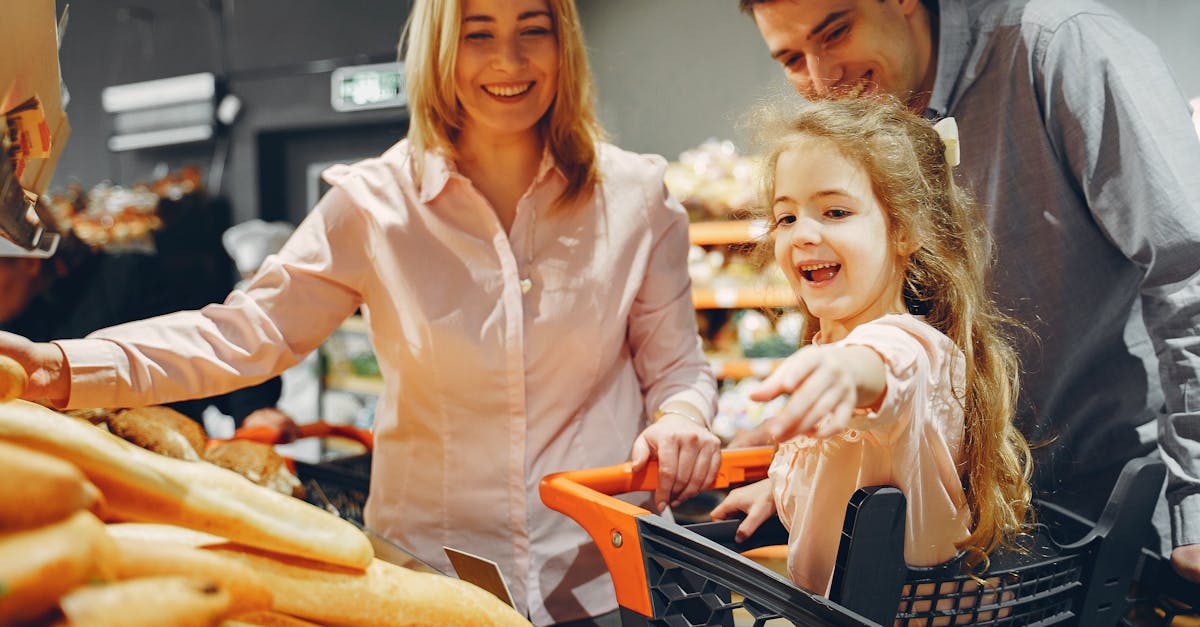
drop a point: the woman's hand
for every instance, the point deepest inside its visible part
(826, 384)
(756, 500)
(688, 455)
(46, 365)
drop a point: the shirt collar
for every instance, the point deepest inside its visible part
(954, 40)
(439, 169)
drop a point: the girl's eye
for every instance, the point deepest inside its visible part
(784, 220)
(837, 213)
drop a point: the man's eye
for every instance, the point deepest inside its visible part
(794, 62)
(837, 34)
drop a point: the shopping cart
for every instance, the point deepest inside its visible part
(340, 484)
(672, 575)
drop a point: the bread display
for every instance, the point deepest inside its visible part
(331, 595)
(233, 554)
(257, 462)
(162, 430)
(144, 486)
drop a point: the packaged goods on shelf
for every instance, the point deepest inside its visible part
(713, 181)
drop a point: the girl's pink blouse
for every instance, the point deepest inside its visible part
(913, 442)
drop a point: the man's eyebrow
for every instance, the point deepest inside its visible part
(829, 19)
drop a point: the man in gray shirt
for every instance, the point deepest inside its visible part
(1078, 144)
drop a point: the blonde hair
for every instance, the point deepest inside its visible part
(429, 48)
(945, 279)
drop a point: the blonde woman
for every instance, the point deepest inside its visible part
(906, 377)
(526, 289)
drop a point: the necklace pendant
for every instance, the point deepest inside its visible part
(526, 285)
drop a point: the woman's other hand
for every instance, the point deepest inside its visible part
(688, 455)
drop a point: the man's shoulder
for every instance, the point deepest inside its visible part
(1038, 15)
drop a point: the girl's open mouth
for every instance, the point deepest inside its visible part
(819, 272)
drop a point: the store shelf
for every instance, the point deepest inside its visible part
(727, 232)
(352, 383)
(741, 368)
(767, 296)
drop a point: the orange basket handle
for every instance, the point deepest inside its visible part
(271, 435)
(586, 496)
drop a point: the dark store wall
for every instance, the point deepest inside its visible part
(278, 55)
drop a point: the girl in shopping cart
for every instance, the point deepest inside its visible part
(906, 377)
(526, 290)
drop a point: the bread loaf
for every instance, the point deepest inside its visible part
(148, 602)
(266, 619)
(143, 486)
(162, 430)
(38, 489)
(329, 595)
(142, 558)
(12, 378)
(38, 565)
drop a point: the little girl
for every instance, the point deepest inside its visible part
(905, 378)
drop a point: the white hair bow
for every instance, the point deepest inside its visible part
(947, 129)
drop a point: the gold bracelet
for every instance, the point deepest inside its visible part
(658, 415)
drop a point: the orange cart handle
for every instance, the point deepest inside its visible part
(585, 496)
(271, 435)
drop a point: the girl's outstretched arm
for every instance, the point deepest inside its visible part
(826, 384)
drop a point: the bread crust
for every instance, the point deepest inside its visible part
(39, 565)
(38, 489)
(142, 486)
(162, 430)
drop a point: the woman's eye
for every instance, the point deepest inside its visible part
(536, 32)
(479, 36)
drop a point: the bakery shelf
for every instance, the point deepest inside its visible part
(766, 296)
(727, 232)
(742, 367)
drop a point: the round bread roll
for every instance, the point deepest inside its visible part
(12, 379)
(257, 462)
(162, 430)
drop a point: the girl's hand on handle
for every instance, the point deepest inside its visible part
(45, 364)
(826, 384)
(755, 500)
(688, 454)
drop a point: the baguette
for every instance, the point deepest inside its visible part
(329, 595)
(142, 558)
(385, 594)
(38, 565)
(143, 486)
(13, 378)
(147, 602)
(267, 619)
(39, 489)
